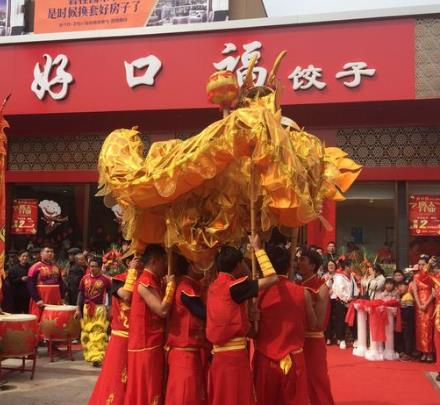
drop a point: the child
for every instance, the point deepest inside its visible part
(390, 292)
(408, 321)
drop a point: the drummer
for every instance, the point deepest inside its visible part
(90, 307)
(44, 283)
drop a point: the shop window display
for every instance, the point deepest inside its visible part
(366, 223)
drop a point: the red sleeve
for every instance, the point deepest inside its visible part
(146, 279)
(108, 283)
(81, 284)
(426, 278)
(187, 289)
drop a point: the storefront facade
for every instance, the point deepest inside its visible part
(369, 87)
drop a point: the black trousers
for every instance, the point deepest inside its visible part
(330, 332)
(340, 311)
(408, 329)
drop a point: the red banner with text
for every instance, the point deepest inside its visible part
(24, 217)
(327, 63)
(424, 215)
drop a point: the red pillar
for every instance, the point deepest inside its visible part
(316, 233)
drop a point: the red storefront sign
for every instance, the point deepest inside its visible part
(329, 63)
(424, 215)
(24, 217)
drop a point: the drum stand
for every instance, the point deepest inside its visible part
(23, 368)
(51, 350)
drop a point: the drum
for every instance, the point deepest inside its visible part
(18, 335)
(58, 323)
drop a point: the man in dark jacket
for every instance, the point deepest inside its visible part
(76, 273)
(17, 277)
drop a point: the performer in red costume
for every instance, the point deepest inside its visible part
(147, 324)
(433, 281)
(230, 380)
(315, 350)
(186, 339)
(112, 382)
(280, 372)
(44, 283)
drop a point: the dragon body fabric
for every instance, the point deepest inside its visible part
(195, 193)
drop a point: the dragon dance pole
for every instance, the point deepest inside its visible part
(169, 250)
(293, 247)
(253, 233)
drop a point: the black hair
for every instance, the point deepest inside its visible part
(390, 280)
(404, 282)
(332, 241)
(153, 251)
(330, 261)
(314, 258)
(46, 246)
(345, 263)
(424, 258)
(398, 271)
(21, 251)
(227, 258)
(181, 265)
(96, 259)
(280, 259)
(378, 269)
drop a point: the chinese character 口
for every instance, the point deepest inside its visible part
(151, 62)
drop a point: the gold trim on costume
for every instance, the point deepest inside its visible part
(314, 334)
(286, 362)
(48, 285)
(239, 343)
(121, 333)
(144, 349)
(183, 349)
(124, 375)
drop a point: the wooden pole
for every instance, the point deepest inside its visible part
(293, 247)
(169, 250)
(253, 233)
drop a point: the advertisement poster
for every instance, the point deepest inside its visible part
(24, 217)
(424, 215)
(3, 17)
(67, 15)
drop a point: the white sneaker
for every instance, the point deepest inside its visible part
(355, 344)
(342, 345)
(329, 342)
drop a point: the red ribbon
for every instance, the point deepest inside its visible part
(378, 316)
(91, 308)
(362, 306)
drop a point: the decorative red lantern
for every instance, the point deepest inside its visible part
(222, 89)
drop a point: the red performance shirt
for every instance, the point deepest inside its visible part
(146, 328)
(185, 329)
(120, 309)
(282, 319)
(94, 288)
(45, 273)
(313, 285)
(226, 319)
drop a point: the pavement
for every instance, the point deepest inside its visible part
(388, 383)
(61, 382)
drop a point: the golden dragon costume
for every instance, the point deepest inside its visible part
(194, 194)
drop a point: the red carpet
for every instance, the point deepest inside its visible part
(356, 381)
